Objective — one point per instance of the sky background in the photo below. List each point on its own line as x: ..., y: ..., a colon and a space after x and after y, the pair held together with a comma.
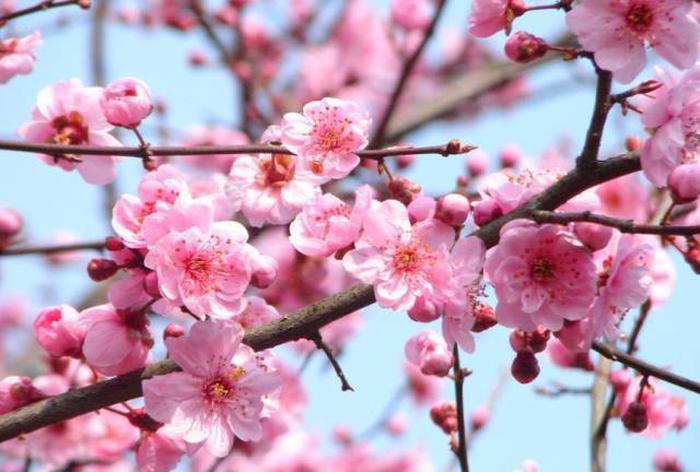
x: 554, y: 432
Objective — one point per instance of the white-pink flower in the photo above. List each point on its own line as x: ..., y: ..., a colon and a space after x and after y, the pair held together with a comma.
x: 220, y: 392
x: 673, y: 117
x: 205, y: 269
x: 270, y: 188
x: 126, y: 102
x: 327, y: 136
x: 429, y: 351
x: 402, y: 262
x: 617, y: 31
x: 327, y: 224
x: 491, y: 16
x: 59, y: 331
x: 17, y: 56
x: 542, y: 276
x: 69, y: 113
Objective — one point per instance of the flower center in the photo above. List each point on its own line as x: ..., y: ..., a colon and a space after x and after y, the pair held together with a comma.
x: 542, y: 270
x: 203, y: 270
x: 70, y: 129
x: 411, y: 257
x: 279, y: 170
x: 222, y: 388
x: 639, y: 17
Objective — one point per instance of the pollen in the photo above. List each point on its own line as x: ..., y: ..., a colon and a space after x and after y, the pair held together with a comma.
x: 542, y: 270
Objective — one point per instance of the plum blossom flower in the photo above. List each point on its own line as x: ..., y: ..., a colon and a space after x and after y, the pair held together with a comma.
x: 327, y: 224
x: 59, y: 331
x: 617, y: 32
x: 491, y: 16
x: 401, y: 261
x: 270, y: 188
x: 205, y: 269
x: 126, y: 102
x: 17, y: 56
x: 220, y: 392
x: 69, y: 113
x: 116, y: 341
x: 326, y: 136
x: 673, y: 120
x: 430, y: 352
x: 542, y: 276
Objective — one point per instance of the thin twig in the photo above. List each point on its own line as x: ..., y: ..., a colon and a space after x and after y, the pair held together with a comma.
x: 318, y: 341
x: 22, y: 251
x: 459, y: 375
x: 41, y: 6
x: 624, y: 225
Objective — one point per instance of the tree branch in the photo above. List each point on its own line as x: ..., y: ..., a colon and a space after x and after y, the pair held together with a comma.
x: 462, y: 448
x: 594, y: 135
x: 41, y: 6
x: 21, y: 251
x: 452, y: 148
x: 624, y: 225
x: 299, y: 324
x: 318, y: 341
x: 404, y: 75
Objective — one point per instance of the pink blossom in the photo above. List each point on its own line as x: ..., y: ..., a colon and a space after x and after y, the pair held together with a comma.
x: 17, y: 56
x: 524, y: 47
x: 672, y: 117
x: 664, y: 410
x: 126, y: 102
x: 424, y: 389
x: 205, y: 269
x: 620, y: 197
x: 624, y: 284
x: 327, y: 224
x: 116, y: 341
x: 69, y: 113
x: 218, y: 395
x: 666, y: 460
x: 452, y: 209
x: 158, y: 451
x: 256, y: 313
x: 617, y: 33
x: 430, y: 352
x: 327, y: 136
x: 542, y: 276
x: 401, y: 261
x: 491, y: 16
x: 562, y: 356
x: 10, y: 225
x: 62, y: 257
x: 59, y: 331
x: 16, y: 392
x: 270, y: 188
x: 684, y: 183
x: 412, y: 14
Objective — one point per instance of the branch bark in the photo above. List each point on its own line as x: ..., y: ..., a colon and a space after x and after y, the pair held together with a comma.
x: 625, y: 226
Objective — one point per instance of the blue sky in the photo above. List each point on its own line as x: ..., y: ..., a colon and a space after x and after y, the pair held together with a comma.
x: 554, y: 432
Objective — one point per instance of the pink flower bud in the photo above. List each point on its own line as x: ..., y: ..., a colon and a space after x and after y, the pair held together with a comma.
x: 424, y: 311
x: 10, y: 224
x: 477, y: 163
x: 113, y: 243
x: 397, y: 424
x: 452, y: 209
x: 479, y: 417
x: 620, y: 379
x: 59, y: 331
x: 101, y: 269
x: 692, y: 257
x: 525, y: 47
x: 684, y: 183
x: 173, y: 330
x: 510, y: 156
x: 633, y: 143
x: 405, y: 161
x: 342, y: 434
x: 635, y: 418
x: 525, y: 367
x: 593, y: 235
x: 16, y: 392
x: 484, y: 317
x: 404, y: 190
x: 150, y: 284
x: 537, y: 340
x: 411, y: 14
x: 486, y: 211
x: 444, y: 416
x: 126, y: 102
x: 430, y: 352
x: 666, y: 460
x: 422, y: 208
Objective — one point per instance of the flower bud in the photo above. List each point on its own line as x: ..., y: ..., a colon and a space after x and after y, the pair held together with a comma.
x: 486, y: 211
x: 126, y: 102
x: 452, y: 209
x: 633, y: 143
x: 16, y: 392
x: 101, y: 269
x: 666, y: 460
x: 150, y: 284
x: 479, y: 417
x: 421, y: 208
x: 477, y: 163
x: 424, y: 311
x: 692, y: 257
x: 404, y: 190
x: 510, y: 156
x: 620, y: 379
x: 173, y: 330
x: 484, y: 317
x: 525, y: 367
x: 396, y: 425
x: 411, y: 15
x: 525, y: 47
x: 113, y: 243
x: 635, y: 418
x: 10, y: 224
x: 537, y: 340
x: 429, y: 351
x: 684, y: 183
x: 444, y: 415
x: 59, y: 331
x: 518, y: 340
x: 593, y: 235
x: 264, y: 271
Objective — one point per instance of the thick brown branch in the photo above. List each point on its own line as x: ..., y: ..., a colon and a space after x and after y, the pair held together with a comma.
x: 594, y: 135
x: 299, y: 324
x: 404, y: 75
x: 625, y: 226
x: 22, y: 251
x: 41, y: 6
x: 452, y: 148
x: 644, y: 367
